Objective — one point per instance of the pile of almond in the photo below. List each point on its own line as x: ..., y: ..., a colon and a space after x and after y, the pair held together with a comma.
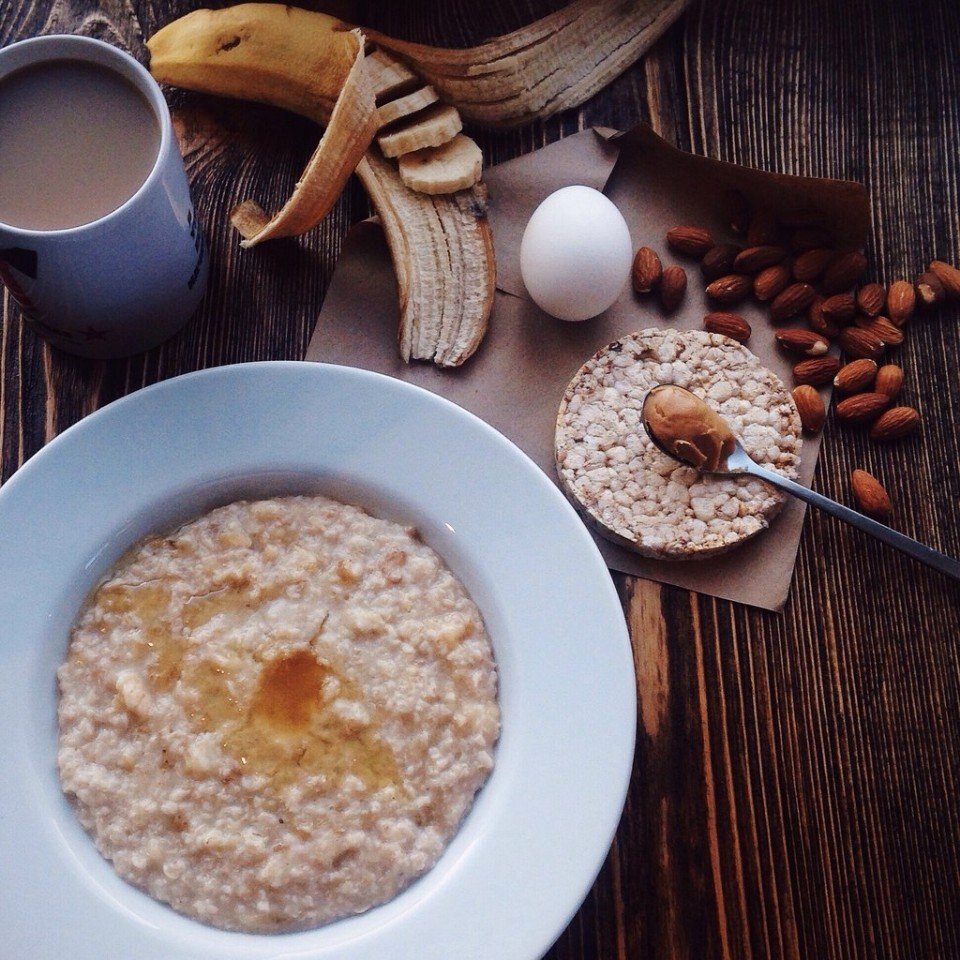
x: 817, y: 296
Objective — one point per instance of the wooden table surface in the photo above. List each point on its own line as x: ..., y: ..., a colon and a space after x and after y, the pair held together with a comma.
x: 795, y: 792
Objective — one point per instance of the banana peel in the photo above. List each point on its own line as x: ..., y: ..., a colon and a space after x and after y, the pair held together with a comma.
x: 349, y: 132
x: 442, y: 251
x: 309, y: 63
x: 553, y: 64
x: 283, y: 56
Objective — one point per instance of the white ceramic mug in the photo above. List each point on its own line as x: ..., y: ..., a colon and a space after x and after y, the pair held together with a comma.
x: 125, y: 282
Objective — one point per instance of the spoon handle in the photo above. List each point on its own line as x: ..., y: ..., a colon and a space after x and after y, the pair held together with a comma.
x: 919, y: 551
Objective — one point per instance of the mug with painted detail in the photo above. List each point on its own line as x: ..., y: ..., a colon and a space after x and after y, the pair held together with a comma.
x: 99, y: 242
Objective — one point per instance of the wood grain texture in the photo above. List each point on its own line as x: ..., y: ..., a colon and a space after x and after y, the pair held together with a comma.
x: 795, y: 792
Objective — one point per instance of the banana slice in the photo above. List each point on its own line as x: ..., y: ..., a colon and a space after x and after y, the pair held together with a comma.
x: 431, y: 128
x: 453, y: 166
x: 389, y: 76
x: 405, y: 106
x: 442, y: 254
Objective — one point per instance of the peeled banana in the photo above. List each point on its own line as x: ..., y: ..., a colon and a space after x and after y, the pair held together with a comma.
x: 442, y: 252
x: 314, y: 65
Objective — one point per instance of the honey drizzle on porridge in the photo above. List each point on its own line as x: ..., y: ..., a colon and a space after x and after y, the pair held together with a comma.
x: 233, y: 599
x: 290, y: 723
x: 149, y: 602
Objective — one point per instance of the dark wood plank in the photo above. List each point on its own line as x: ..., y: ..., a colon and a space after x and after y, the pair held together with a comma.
x: 862, y: 671
x: 794, y: 792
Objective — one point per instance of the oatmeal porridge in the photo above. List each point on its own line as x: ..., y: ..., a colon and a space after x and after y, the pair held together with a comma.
x: 277, y: 715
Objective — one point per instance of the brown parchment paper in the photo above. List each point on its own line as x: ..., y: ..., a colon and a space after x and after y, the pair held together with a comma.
x: 516, y: 379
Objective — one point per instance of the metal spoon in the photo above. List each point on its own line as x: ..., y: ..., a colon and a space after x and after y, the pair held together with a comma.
x: 739, y: 462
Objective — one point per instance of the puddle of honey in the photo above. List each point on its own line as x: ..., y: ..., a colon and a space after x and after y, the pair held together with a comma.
x: 288, y: 693
x: 288, y: 724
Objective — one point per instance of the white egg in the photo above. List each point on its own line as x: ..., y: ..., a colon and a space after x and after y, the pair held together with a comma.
x: 576, y: 254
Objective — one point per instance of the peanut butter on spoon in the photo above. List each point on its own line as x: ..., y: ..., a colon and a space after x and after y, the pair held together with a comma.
x: 683, y: 426
x: 687, y: 428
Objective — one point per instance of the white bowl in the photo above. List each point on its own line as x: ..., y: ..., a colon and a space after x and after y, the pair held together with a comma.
x: 538, y: 833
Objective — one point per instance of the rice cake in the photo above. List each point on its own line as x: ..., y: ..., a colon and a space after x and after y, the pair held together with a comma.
x: 633, y: 493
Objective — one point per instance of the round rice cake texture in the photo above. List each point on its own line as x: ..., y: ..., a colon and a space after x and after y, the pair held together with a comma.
x: 632, y: 492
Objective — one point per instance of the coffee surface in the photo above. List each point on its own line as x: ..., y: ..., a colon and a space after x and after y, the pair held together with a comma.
x: 76, y: 141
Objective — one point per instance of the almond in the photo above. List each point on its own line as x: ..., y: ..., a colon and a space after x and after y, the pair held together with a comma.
x: 881, y: 328
x: 948, y: 276
x: 839, y: 308
x: 690, y: 241
x: 673, y: 287
x: 754, y: 259
x: 768, y: 283
x: 817, y: 372
x: 889, y: 380
x: 809, y: 238
x: 870, y: 496
x: 803, y: 341
x: 871, y: 298
x: 896, y: 423
x: 729, y: 324
x: 647, y: 270
x: 762, y: 229
x: 819, y: 322
x: 790, y: 302
x: 729, y: 289
x: 844, y: 271
x: 810, y: 407
x: 861, y: 407
x: 718, y: 261
x: 856, y: 342
x: 930, y: 291
x: 811, y: 263
x: 901, y: 300
x: 856, y: 376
